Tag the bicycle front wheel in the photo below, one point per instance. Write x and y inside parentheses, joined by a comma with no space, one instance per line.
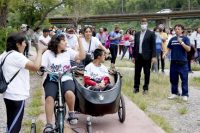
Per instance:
(60,121)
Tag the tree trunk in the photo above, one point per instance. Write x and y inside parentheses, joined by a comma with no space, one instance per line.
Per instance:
(3,14)
(47,12)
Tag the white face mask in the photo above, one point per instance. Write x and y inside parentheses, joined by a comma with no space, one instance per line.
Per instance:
(157,33)
(144,26)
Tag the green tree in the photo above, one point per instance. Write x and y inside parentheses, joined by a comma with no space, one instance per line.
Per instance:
(3,12)
(31,12)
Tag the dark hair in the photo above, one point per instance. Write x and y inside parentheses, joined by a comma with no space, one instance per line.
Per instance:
(179,25)
(46,30)
(98,52)
(53,44)
(105,29)
(117,27)
(13,39)
(70,26)
(143,20)
(36,29)
(156,28)
(129,31)
(87,27)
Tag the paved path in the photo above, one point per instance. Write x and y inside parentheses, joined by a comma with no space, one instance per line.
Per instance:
(2,115)
(136,122)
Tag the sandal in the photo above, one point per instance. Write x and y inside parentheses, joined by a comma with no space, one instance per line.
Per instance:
(48,128)
(72,119)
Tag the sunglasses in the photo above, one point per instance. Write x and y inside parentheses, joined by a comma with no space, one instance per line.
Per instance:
(90,26)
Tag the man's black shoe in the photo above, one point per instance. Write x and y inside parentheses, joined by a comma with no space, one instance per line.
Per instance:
(145,92)
(135,90)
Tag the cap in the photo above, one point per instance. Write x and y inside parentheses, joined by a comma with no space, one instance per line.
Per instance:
(23,26)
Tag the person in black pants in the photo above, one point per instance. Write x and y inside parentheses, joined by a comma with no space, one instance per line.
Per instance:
(115,38)
(144,53)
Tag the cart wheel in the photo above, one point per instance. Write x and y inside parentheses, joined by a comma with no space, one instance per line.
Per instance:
(122,110)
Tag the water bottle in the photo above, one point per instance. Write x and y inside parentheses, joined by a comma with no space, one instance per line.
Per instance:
(33,126)
(89,125)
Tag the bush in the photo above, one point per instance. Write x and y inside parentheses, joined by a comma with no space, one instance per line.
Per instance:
(4,32)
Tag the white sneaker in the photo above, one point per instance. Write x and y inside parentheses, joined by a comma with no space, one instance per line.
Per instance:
(185,98)
(173,96)
(73,121)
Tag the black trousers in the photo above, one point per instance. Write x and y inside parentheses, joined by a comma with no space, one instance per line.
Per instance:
(15,112)
(146,65)
(113,50)
(162,62)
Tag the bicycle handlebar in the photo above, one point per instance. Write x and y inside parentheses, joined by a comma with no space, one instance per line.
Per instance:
(44,69)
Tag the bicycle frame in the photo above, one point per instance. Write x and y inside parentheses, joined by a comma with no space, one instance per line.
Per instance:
(59,107)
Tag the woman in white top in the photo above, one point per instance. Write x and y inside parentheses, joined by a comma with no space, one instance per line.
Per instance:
(18,89)
(57,59)
(91,43)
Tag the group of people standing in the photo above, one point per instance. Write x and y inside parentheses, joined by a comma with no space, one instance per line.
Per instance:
(149,45)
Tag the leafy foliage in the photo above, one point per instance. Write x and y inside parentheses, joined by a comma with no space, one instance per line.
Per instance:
(4,32)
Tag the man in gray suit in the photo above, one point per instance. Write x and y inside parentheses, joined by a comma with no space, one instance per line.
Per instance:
(144,53)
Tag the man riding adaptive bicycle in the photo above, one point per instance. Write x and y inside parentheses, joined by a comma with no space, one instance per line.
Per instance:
(57,59)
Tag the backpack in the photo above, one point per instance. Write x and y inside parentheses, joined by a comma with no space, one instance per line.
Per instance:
(107,43)
(3,83)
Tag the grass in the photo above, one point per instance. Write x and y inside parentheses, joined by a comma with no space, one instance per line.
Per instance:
(161,121)
(121,63)
(36,103)
(34,110)
(128,63)
(195,81)
(39,125)
(195,67)
(183,110)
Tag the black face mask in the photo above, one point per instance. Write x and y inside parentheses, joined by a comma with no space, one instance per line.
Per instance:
(117,31)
